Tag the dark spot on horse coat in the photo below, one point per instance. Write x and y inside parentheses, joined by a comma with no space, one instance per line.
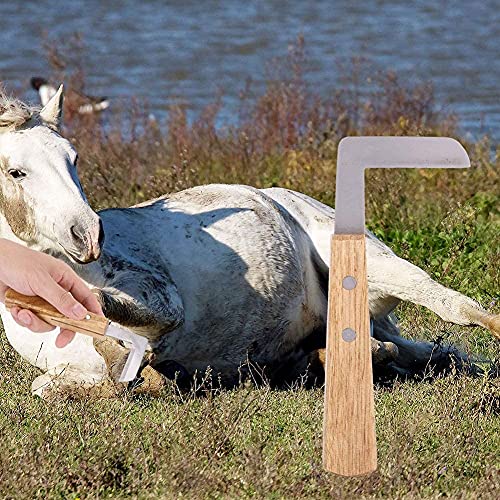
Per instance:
(112,264)
(109,274)
(14,207)
(143,298)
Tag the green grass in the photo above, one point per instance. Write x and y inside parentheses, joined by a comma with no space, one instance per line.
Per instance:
(435,438)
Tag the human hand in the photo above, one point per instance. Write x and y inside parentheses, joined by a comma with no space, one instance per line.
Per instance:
(37,274)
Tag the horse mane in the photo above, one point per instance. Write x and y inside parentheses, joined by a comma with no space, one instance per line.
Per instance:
(14,113)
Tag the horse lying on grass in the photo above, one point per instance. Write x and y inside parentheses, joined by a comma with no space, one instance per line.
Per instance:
(212,276)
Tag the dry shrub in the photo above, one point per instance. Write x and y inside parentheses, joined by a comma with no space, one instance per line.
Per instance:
(287,135)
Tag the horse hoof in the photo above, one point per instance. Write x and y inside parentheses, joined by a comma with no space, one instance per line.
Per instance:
(151,382)
(383,352)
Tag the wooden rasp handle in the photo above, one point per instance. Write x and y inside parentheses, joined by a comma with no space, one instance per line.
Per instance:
(349,442)
(94,326)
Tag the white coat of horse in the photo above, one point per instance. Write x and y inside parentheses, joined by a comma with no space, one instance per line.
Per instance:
(212,276)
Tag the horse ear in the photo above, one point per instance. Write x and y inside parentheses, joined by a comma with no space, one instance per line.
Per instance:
(51,113)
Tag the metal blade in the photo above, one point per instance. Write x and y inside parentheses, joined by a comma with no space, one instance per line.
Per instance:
(132,366)
(355,154)
(137,350)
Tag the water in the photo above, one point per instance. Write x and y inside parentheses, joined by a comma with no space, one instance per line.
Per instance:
(186,50)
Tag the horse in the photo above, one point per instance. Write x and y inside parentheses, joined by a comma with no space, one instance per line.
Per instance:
(220,276)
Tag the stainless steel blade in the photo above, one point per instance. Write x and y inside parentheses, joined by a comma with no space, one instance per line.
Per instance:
(355,154)
(137,350)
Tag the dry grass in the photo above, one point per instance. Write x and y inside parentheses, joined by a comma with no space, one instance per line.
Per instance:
(436,438)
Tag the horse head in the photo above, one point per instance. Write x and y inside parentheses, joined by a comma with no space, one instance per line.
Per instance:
(42,203)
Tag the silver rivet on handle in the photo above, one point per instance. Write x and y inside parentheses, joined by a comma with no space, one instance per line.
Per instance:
(349,282)
(348,334)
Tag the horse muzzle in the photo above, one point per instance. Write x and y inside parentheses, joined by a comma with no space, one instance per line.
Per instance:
(86,243)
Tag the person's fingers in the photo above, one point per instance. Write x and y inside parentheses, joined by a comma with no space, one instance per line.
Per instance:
(27,319)
(71,282)
(60,298)
(64,338)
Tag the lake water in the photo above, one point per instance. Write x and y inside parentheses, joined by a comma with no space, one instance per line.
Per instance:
(186,50)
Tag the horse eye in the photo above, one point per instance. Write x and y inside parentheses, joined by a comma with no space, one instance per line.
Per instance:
(16,174)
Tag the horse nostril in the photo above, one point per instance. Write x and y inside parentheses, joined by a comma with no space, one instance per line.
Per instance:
(77,233)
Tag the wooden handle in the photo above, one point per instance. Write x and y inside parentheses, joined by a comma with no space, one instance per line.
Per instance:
(94,326)
(349,442)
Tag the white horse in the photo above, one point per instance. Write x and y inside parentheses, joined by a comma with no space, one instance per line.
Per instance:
(212,276)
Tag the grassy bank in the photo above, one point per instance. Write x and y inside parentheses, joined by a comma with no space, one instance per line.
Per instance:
(436,438)
(439,438)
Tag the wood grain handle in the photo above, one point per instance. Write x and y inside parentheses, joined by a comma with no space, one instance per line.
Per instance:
(94,325)
(349,442)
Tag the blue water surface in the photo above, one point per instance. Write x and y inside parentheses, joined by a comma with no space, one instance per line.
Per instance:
(185,51)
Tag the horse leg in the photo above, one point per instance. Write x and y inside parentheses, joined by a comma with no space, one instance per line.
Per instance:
(390,278)
(78,366)
(383,353)
(146,302)
(416,357)
(402,356)
(395,278)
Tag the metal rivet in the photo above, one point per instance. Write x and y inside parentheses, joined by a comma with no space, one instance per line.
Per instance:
(87,316)
(349,282)
(348,334)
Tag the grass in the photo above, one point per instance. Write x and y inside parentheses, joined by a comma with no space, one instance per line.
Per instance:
(439,437)
(435,438)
